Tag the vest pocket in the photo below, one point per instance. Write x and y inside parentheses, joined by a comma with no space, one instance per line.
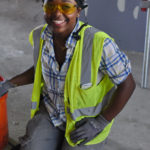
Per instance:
(91,96)
(89,102)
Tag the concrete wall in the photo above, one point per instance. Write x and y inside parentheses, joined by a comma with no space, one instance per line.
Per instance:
(122,19)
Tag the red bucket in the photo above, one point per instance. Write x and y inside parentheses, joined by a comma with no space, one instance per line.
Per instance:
(3,120)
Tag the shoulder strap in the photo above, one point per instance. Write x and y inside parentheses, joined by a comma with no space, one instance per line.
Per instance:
(87,54)
(34,38)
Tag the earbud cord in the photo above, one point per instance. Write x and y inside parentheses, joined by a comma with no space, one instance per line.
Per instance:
(76,34)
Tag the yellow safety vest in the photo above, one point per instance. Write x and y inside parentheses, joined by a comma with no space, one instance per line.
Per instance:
(83,70)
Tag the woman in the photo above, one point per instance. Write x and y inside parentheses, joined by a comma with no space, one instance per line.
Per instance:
(86,81)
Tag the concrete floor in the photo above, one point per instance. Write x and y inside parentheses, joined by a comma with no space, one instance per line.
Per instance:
(131,130)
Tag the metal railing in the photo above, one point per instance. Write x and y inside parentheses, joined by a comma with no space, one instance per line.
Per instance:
(145,6)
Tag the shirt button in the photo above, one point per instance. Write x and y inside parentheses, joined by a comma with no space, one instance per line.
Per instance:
(57,69)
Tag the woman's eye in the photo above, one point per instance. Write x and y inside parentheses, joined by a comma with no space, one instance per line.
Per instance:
(66,7)
(51,6)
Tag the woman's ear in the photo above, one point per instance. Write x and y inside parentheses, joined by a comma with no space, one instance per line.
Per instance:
(79,11)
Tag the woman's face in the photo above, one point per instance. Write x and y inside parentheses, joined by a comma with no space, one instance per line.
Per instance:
(60,22)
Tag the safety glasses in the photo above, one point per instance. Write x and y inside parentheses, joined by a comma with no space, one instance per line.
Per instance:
(64,7)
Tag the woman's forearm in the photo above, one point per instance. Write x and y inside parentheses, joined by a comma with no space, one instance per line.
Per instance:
(119,98)
(24,78)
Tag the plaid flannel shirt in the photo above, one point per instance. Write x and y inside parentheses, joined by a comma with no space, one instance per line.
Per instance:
(114,63)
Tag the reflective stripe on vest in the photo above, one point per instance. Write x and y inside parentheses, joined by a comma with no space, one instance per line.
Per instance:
(92,111)
(87,55)
(36,39)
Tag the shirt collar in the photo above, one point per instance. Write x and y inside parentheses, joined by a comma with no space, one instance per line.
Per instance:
(71,41)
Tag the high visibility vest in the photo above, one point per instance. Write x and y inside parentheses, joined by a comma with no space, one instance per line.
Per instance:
(83,71)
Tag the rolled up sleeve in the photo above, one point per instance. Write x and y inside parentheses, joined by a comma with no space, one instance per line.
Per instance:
(114,62)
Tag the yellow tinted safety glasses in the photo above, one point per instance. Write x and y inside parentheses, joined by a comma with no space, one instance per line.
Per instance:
(65,8)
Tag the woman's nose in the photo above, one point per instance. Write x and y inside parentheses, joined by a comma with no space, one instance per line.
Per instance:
(58,11)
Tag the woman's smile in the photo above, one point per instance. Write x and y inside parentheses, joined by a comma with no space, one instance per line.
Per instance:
(59,20)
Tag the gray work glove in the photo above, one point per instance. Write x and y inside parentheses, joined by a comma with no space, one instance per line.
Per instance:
(5,86)
(88,128)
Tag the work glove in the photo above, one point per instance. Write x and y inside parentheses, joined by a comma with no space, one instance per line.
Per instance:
(88,128)
(5,86)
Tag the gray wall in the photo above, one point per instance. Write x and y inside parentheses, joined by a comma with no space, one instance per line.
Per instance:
(122,19)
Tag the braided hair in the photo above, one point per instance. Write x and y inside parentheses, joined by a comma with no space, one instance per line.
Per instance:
(81,3)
